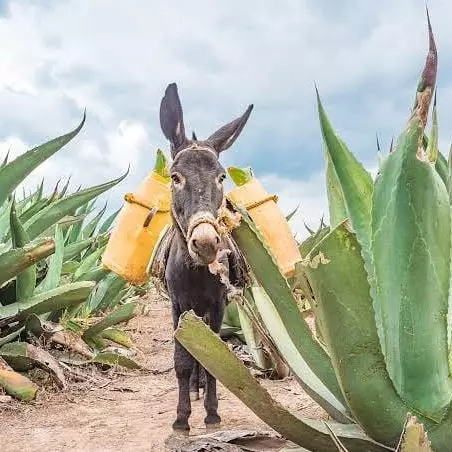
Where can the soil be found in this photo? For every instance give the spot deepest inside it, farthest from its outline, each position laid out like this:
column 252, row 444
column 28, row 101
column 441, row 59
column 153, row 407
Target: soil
column 129, row 411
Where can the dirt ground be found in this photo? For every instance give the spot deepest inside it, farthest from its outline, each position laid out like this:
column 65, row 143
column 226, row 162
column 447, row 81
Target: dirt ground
column 129, row 411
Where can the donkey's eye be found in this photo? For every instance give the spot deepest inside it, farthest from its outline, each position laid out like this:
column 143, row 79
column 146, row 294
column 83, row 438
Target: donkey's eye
column 175, row 177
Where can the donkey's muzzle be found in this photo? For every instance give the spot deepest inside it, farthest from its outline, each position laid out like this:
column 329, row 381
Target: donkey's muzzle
column 204, row 243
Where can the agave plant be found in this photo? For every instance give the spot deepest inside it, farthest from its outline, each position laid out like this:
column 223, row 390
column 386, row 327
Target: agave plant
column 379, row 283
column 51, row 281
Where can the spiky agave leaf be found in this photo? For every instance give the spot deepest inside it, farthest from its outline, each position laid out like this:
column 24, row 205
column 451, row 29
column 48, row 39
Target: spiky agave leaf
column 13, row 173
column 412, row 262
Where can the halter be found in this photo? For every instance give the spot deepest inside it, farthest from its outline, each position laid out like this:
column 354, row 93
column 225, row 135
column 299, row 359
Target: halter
column 219, row 223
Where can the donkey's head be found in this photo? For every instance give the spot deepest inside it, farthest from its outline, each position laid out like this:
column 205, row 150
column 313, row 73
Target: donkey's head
column 197, row 177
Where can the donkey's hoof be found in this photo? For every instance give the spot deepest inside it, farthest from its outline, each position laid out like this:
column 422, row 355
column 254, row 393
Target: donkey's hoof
column 194, row 396
column 212, row 421
column 181, row 426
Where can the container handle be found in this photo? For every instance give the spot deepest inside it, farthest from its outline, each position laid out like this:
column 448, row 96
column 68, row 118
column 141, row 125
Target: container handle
column 130, row 198
column 149, row 217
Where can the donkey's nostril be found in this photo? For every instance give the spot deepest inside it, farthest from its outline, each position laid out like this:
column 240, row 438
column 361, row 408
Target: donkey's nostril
column 217, row 239
column 194, row 244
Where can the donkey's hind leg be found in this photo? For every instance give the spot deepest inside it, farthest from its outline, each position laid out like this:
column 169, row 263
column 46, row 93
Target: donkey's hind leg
column 194, row 382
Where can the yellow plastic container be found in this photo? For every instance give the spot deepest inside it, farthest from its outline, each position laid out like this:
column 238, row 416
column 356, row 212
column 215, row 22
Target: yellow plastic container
column 271, row 222
column 140, row 222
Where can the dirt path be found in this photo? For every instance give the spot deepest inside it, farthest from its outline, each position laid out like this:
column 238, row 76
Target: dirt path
column 128, row 412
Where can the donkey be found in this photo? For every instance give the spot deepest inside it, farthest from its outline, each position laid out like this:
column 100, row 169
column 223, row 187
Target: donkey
column 197, row 195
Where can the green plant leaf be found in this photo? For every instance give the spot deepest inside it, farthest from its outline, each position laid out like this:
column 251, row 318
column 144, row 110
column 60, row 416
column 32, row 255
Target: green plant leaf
column 356, row 186
column 115, row 359
column 22, row 356
column 161, row 165
column 89, row 229
column 216, row 357
column 89, row 262
column 108, row 222
column 122, row 314
column 336, row 201
column 52, row 278
column 342, row 294
column 412, row 262
column 59, row 209
column 15, row 261
column 75, row 248
column 52, row 300
column 26, row 280
column 240, row 176
column 16, row 384
column 16, row 171
column 264, row 267
column 106, row 292
column 308, row 380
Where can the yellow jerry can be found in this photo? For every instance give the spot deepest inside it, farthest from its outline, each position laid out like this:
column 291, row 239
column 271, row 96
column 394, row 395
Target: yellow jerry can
column 140, row 222
column 271, row 222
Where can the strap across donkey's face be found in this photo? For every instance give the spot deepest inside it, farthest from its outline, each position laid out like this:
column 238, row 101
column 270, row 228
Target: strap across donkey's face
column 172, row 124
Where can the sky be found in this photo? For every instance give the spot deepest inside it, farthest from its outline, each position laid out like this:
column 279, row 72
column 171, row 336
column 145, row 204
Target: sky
column 115, row 59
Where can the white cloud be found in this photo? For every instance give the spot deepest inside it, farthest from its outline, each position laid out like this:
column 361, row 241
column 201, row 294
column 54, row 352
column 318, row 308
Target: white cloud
column 115, row 58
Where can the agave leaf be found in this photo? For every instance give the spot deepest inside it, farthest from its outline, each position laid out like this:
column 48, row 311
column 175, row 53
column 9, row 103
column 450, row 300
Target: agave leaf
column 342, row 294
column 106, row 291
column 307, row 245
column 89, row 229
column 52, row 300
column 52, row 278
column 96, row 274
column 15, row 261
column 412, row 264
column 251, row 339
column 26, row 280
column 309, row 381
column 336, row 201
column 267, row 272
column 5, row 159
column 59, row 209
column 5, row 212
column 16, row 384
column 118, row 336
column 442, row 168
column 65, row 188
column 240, row 176
column 115, row 359
column 73, row 235
column 22, row 356
column 119, row 315
column 75, row 248
column 15, row 172
column 34, row 209
column 161, row 165
column 11, row 336
column 108, row 222
column 291, row 214
column 89, row 262
column 216, row 357
column 356, row 186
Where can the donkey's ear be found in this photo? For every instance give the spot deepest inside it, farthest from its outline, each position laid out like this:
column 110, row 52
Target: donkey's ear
column 171, row 118
column 224, row 137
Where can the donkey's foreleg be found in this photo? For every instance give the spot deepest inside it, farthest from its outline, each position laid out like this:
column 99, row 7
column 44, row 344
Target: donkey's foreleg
column 211, row 398
column 183, row 365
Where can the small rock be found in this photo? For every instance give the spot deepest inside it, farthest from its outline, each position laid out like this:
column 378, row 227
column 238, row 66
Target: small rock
column 5, row 398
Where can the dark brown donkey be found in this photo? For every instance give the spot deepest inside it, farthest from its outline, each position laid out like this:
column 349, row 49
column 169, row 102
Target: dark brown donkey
column 195, row 242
